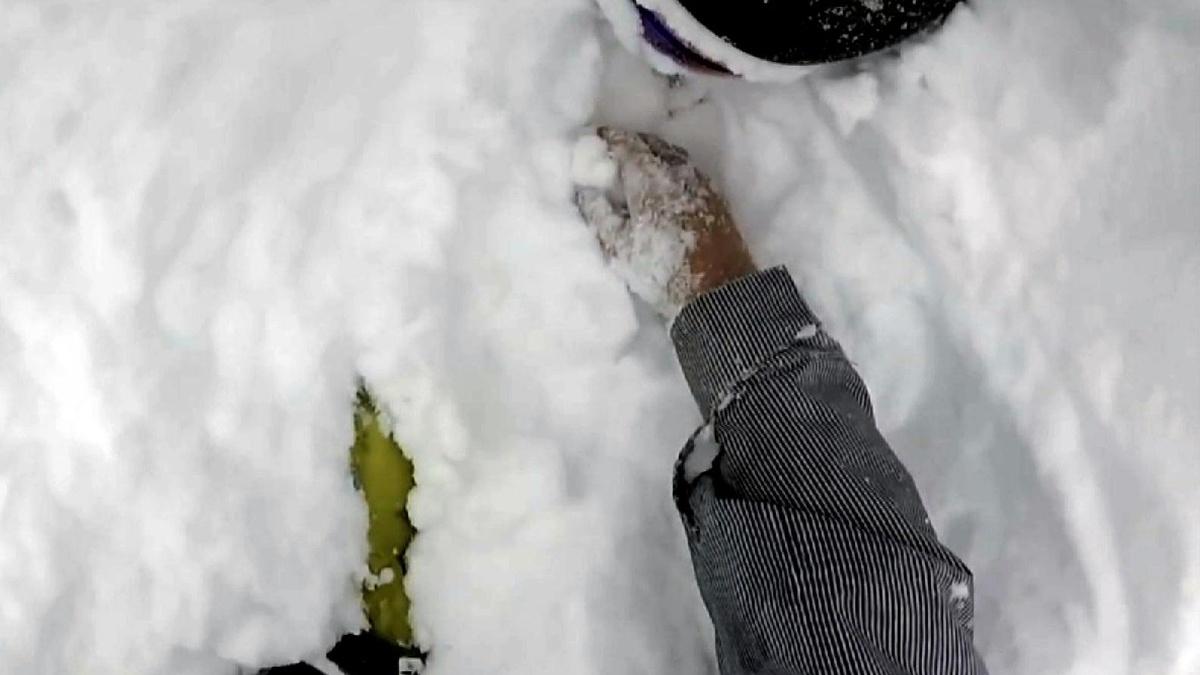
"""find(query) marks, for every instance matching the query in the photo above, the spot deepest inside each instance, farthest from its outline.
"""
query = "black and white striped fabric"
(812, 549)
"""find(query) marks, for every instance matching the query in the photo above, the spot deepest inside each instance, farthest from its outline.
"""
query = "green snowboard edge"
(384, 476)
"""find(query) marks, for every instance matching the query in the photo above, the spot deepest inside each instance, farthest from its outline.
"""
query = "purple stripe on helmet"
(656, 32)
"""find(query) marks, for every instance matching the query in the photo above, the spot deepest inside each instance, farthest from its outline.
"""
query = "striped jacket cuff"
(724, 335)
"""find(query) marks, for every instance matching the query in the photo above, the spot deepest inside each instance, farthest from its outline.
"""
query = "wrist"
(720, 257)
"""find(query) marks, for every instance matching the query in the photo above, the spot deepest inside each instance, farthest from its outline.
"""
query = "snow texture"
(703, 453)
(591, 164)
(647, 247)
(215, 216)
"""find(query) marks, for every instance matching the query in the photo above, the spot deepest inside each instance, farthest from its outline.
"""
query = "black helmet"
(713, 34)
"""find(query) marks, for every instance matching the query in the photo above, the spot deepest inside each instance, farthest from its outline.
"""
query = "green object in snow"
(385, 477)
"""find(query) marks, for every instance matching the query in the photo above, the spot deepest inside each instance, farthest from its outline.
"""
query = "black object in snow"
(802, 32)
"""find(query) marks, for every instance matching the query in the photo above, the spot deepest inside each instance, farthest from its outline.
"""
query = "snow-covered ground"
(214, 216)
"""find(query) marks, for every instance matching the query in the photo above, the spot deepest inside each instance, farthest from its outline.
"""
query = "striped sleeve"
(811, 546)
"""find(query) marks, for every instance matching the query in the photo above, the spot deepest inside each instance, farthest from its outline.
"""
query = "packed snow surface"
(216, 216)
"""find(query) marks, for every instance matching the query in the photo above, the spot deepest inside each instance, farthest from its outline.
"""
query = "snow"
(702, 454)
(591, 165)
(646, 248)
(215, 216)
